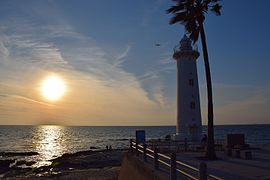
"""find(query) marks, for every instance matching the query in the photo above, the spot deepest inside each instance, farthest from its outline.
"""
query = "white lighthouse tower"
(189, 124)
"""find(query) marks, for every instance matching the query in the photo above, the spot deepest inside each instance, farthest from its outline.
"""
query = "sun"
(53, 88)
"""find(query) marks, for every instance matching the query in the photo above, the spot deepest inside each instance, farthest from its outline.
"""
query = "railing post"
(173, 167)
(156, 158)
(186, 145)
(137, 151)
(144, 152)
(202, 171)
(130, 145)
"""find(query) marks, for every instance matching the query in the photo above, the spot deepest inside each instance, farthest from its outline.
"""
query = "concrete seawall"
(135, 169)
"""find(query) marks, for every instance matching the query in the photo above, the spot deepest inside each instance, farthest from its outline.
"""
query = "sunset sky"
(105, 53)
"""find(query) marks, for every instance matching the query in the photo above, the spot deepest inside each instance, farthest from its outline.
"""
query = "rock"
(98, 159)
(21, 162)
(92, 147)
(17, 171)
(4, 165)
(18, 153)
(81, 164)
(68, 155)
(6, 162)
(30, 163)
(168, 137)
(43, 169)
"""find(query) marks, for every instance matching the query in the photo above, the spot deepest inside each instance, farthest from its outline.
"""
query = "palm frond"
(191, 13)
(178, 17)
(216, 9)
(175, 9)
(190, 26)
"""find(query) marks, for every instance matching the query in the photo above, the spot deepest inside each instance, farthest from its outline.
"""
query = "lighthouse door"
(193, 130)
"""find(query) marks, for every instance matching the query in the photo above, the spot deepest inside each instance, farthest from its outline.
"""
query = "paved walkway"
(233, 168)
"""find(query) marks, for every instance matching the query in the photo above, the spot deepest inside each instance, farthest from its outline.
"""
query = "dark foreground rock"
(90, 159)
(94, 164)
(9, 154)
(21, 162)
(4, 165)
(15, 171)
(30, 163)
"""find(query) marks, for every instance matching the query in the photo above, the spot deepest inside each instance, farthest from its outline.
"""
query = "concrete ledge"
(135, 169)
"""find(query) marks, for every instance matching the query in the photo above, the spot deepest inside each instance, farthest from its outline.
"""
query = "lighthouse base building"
(189, 124)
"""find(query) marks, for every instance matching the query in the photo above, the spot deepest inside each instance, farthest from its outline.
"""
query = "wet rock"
(21, 162)
(69, 155)
(92, 147)
(4, 165)
(8, 154)
(48, 174)
(30, 163)
(85, 160)
(17, 171)
(43, 169)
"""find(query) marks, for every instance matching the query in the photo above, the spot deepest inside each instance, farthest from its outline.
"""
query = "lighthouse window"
(192, 105)
(191, 82)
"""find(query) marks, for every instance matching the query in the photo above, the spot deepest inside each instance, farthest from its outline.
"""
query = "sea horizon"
(237, 124)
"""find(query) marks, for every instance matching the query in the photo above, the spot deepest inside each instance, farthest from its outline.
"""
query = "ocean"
(53, 141)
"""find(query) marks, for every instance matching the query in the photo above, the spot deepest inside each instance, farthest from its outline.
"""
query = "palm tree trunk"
(210, 149)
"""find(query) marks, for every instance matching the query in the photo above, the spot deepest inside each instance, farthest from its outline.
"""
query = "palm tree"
(191, 13)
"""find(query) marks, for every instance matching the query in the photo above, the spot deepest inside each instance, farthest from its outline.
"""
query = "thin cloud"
(26, 99)
(121, 57)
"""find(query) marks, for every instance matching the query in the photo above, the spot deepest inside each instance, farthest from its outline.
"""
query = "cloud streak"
(121, 57)
(100, 91)
(26, 99)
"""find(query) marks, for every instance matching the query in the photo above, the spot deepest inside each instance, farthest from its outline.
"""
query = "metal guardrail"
(171, 162)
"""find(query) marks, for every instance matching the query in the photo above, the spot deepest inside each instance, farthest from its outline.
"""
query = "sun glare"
(53, 88)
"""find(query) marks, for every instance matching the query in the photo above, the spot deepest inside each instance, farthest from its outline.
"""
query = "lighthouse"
(189, 124)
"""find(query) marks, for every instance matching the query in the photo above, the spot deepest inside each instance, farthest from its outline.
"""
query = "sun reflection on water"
(49, 143)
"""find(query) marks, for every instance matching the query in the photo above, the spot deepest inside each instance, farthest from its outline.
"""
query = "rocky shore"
(103, 164)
